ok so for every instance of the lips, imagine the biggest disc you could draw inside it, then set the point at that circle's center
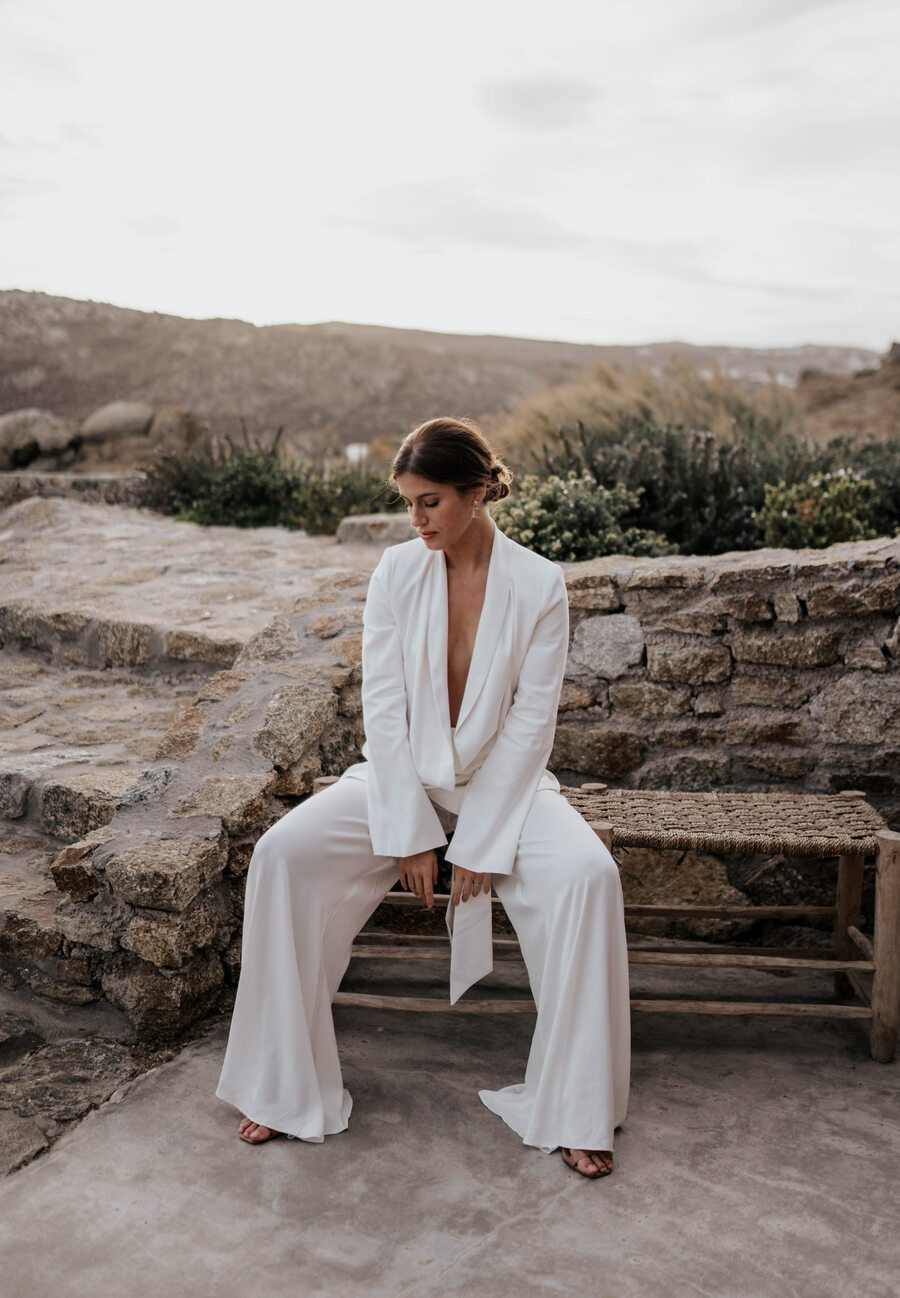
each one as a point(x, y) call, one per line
point(427, 535)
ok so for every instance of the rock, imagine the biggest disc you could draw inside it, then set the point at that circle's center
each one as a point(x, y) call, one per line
point(698, 771)
point(831, 599)
point(606, 646)
point(806, 647)
point(26, 434)
point(160, 1002)
point(64, 1079)
point(647, 699)
point(687, 661)
point(169, 940)
point(14, 788)
point(375, 529)
point(859, 708)
point(296, 718)
point(20, 1140)
point(239, 801)
point(163, 873)
point(73, 870)
point(575, 696)
point(763, 727)
point(118, 419)
point(597, 752)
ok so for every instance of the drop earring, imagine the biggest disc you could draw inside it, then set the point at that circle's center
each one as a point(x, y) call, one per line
point(474, 508)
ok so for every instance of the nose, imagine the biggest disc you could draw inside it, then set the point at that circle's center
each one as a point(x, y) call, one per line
point(419, 518)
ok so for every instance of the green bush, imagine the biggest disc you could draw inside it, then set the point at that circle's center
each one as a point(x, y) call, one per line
point(221, 483)
point(699, 491)
point(823, 509)
point(877, 459)
point(573, 517)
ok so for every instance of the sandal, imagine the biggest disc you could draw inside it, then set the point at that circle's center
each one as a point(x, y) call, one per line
point(271, 1136)
point(573, 1163)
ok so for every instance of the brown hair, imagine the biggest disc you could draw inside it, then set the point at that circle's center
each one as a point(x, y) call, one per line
point(456, 452)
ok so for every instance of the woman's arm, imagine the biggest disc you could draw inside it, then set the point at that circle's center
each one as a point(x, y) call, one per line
point(402, 821)
point(498, 798)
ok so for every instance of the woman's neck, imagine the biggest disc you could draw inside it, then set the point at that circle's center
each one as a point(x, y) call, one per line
point(473, 549)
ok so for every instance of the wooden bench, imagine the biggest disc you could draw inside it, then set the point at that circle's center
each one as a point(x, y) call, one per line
point(796, 824)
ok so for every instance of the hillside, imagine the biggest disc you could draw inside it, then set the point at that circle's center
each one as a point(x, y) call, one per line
point(357, 381)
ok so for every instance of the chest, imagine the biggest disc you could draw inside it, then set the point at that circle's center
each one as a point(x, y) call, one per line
point(465, 601)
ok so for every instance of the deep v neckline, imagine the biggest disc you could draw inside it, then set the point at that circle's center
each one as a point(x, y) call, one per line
point(478, 633)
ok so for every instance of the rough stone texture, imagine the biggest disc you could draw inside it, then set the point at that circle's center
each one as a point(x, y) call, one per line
point(606, 646)
point(375, 529)
point(110, 488)
point(691, 673)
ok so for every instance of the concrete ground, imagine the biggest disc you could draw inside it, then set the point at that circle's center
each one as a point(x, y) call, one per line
point(759, 1160)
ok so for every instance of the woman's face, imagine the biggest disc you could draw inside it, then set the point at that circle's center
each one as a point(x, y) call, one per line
point(439, 512)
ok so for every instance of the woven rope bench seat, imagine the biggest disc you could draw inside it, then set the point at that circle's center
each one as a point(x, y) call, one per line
point(841, 825)
point(797, 824)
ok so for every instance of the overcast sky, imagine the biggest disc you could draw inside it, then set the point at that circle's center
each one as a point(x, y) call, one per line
point(611, 171)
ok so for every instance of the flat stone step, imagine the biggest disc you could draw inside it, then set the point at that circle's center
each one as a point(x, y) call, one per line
point(108, 585)
point(72, 742)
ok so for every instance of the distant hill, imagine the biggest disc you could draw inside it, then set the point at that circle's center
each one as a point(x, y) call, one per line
point(865, 401)
point(357, 381)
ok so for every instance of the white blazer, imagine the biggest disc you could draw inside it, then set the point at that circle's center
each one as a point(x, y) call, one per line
point(504, 732)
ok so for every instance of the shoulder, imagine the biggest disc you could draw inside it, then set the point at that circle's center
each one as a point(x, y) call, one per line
point(400, 565)
point(533, 572)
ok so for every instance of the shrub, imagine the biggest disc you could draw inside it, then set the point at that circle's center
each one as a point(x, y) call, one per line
point(214, 482)
point(573, 517)
point(700, 492)
point(877, 459)
point(825, 508)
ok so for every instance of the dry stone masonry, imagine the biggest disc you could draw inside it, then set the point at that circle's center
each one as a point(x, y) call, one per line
point(772, 669)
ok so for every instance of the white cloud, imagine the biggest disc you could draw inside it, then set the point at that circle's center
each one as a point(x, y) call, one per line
point(599, 170)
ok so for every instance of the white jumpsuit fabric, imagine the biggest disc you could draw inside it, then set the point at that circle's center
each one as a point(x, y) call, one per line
point(317, 875)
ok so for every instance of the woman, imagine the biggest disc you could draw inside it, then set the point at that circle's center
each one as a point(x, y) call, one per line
point(465, 637)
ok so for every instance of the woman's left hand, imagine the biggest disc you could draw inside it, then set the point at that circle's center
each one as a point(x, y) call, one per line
point(468, 883)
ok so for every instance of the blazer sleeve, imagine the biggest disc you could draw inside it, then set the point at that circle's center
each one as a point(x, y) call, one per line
point(498, 798)
point(402, 820)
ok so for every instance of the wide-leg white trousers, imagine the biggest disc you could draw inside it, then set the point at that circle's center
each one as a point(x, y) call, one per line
point(312, 884)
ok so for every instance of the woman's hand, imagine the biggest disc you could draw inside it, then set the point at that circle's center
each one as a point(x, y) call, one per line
point(419, 874)
point(468, 883)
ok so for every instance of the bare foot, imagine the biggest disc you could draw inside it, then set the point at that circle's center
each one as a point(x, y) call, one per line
point(589, 1162)
point(255, 1133)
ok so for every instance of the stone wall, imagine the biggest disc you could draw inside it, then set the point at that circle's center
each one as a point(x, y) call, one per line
point(741, 671)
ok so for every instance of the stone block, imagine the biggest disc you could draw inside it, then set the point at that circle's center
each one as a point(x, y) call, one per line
point(161, 1002)
point(759, 726)
point(375, 529)
point(600, 751)
point(759, 687)
point(605, 646)
point(162, 873)
point(706, 618)
point(859, 708)
point(687, 771)
point(840, 599)
point(170, 941)
point(647, 699)
point(238, 800)
point(809, 647)
point(575, 697)
point(295, 720)
point(13, 795)
point(687, 662)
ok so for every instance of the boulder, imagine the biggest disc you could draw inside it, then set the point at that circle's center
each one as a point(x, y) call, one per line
point(118, 419)
point(26, 434)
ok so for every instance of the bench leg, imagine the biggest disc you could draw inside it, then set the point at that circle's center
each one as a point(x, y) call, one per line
point(886, 980)
point(849, 911)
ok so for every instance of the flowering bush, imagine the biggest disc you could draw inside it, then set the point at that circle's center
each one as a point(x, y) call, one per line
point(823, 509)
point(573, 517)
